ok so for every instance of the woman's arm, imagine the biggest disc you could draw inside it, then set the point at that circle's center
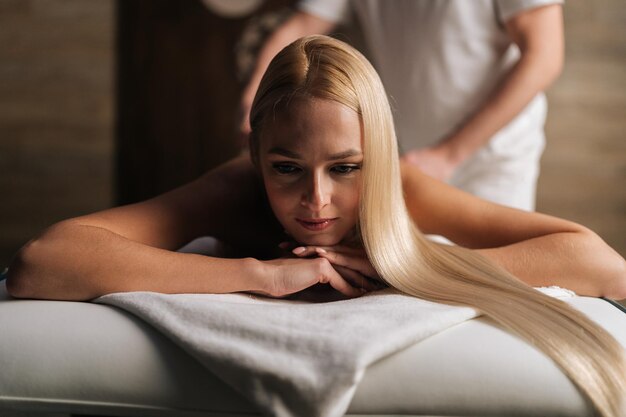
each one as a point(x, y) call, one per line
point(73, 261)
point(537, 248)
point(129, 248)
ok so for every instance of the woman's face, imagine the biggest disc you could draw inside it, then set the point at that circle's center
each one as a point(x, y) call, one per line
point(310, 156)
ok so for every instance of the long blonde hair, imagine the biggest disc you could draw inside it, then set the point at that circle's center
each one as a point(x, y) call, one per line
point(323, 67)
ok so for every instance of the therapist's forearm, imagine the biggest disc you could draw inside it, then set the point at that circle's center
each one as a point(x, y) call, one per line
point(525, 80)
point(579, 261)
point(78, 262)
point(538, 32)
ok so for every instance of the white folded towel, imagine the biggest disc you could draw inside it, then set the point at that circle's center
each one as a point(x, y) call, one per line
point(291, 358)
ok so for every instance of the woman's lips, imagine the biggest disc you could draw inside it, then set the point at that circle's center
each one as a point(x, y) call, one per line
point(316, 224)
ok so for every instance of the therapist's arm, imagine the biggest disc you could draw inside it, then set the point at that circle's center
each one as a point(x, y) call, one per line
point(540, 250)
point(539, 35)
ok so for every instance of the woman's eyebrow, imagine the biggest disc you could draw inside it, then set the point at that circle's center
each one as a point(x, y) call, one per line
point(294, 155)
point(345, 154)
point(284, 152)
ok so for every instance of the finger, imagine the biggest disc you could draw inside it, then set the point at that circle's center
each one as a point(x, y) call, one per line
point(345, 288)
point(337, 282)
point(285, 245)
point(348, 250)
point(360, 280)
point(359, 264)
point(356, 279)
point(304, 251)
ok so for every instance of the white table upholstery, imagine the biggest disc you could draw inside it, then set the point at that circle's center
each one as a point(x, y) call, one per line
point(86, 358)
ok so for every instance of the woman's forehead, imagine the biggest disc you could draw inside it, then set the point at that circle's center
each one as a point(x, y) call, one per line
point(313, 121)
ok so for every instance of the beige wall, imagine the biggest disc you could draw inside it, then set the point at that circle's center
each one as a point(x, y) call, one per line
point(584, 166)
point(56, 117)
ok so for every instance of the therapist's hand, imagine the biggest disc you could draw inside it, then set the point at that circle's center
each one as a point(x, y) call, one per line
point(437, 161)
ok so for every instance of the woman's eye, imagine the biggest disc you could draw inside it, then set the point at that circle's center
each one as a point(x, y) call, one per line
point(345, 169)
point(285, 168)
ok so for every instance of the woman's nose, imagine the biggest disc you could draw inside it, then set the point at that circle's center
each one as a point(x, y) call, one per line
point(318, 193)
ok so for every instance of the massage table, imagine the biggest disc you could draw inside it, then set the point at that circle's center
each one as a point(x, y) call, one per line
point(93, 359)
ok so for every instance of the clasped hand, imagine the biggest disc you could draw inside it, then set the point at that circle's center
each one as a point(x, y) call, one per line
point(344, 269)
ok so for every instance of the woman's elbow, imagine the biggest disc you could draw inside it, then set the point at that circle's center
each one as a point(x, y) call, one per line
point(616, 288)
point(32, 271)
point(19, 282)
point(15, 286)
point(601, 269)
point(609, 266)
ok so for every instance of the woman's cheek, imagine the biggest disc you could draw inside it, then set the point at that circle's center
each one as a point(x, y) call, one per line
point(279, 201)
point(348, 200)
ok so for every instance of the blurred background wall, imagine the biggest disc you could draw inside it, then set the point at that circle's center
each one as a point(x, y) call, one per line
point(56, 113)
point(83, 80)
point(584, 166)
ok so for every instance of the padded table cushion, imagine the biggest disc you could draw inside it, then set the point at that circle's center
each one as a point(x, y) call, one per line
point(87, 358)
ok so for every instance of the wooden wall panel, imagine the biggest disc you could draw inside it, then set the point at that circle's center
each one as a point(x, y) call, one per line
point(177, 93)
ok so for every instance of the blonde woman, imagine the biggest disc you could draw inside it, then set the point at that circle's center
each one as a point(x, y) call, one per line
point(324, 173)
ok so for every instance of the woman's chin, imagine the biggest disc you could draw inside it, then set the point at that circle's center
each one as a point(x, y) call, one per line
point(319, 240)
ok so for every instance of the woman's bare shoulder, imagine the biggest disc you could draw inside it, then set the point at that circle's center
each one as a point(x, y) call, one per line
point(226, 202)
point(242, 216)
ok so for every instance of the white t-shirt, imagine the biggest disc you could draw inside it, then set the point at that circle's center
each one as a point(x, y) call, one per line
point(439, 61)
